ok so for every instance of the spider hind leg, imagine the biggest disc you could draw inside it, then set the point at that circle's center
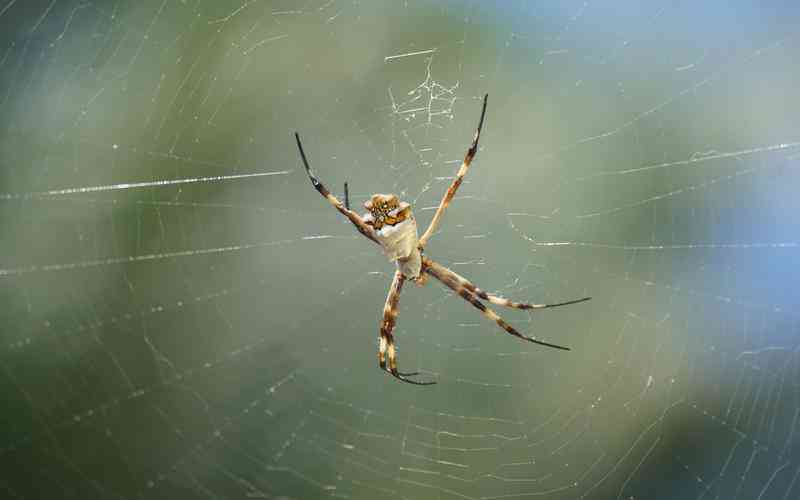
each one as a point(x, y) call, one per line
point(421, 280)
point(502, 301)
point(467, 291)
point(386, 347)
point(496, 299)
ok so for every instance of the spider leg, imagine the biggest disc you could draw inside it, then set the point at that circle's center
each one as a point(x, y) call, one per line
point(451, 191)
point(496, 299)
point(450, 279)
point(387, 348)
point(356, 219)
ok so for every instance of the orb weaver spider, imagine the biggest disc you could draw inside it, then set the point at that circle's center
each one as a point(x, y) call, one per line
point(391, 225)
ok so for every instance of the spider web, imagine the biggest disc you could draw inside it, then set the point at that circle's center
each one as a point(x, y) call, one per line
point(184, 317)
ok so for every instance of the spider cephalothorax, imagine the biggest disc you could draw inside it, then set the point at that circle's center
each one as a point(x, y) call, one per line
point(390, 223)
point(386, 209)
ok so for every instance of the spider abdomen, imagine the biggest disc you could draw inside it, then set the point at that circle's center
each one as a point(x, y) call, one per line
point(411, 267)
point(399, 242)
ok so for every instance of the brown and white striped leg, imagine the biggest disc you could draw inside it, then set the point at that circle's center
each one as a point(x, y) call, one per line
point(452, 281)
point(356, 219)
point(451, 191)
point(496, 299)
point(387, 347)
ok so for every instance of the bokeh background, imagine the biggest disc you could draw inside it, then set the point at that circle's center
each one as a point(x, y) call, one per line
point(184, 317)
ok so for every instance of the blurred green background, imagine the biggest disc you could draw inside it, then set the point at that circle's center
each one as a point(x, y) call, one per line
point(184, 317)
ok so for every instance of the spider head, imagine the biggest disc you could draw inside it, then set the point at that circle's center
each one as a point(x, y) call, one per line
point(386, 209)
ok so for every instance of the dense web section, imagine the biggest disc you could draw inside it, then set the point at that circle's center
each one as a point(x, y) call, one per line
point(184, 317)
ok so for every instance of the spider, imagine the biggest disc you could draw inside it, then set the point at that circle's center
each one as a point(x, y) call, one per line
point(391, 225)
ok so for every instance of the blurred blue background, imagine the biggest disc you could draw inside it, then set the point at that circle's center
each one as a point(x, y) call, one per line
point(185, 317)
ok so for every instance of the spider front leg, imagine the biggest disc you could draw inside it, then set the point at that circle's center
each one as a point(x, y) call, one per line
point(356, 219)
point(451, 191)
point(387, 339)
